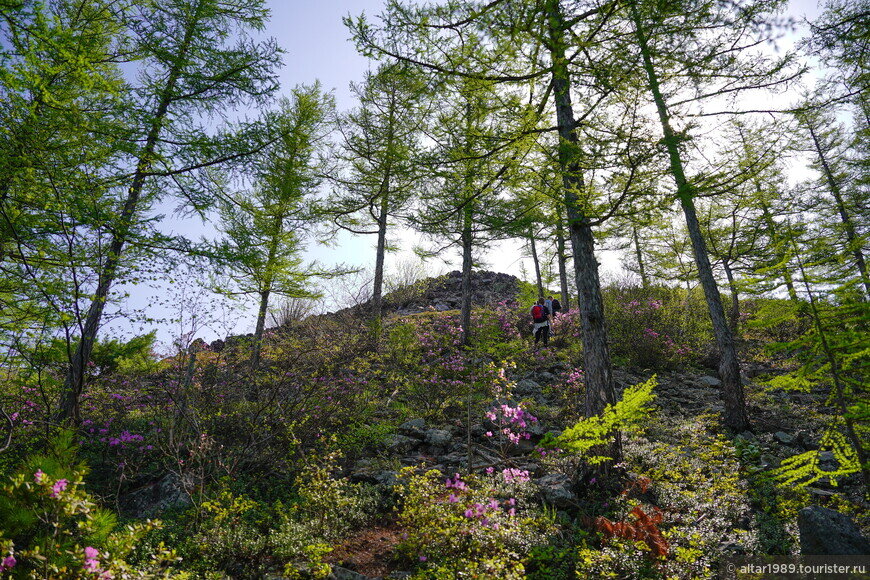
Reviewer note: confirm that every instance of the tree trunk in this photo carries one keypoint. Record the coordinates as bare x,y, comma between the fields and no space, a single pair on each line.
538,280
644,281
260,328
377,292
852,239
465,314
596,354
734,314
383,216
74,382
729,366
783,257
265,291
561,258
839,394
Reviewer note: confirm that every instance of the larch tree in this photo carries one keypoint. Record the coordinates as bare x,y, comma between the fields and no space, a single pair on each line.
691,54
59,137
380,143
195,61
263,226
839,196
473,157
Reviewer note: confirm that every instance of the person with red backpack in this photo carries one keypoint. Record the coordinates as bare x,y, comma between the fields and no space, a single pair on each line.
541,322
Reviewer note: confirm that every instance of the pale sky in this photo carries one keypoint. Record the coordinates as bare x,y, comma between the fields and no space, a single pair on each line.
318,48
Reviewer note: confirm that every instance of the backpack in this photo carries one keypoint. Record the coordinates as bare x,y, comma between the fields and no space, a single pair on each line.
556,306
538,313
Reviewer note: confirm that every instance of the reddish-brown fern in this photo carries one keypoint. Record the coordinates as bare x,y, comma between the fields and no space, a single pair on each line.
644,528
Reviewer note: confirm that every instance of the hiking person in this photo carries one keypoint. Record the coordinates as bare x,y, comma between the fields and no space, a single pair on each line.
557,307
541,322
548,303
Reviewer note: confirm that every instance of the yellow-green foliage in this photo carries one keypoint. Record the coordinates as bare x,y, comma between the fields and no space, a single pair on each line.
330,506
591,434
476,528
697,482
52,528
805,469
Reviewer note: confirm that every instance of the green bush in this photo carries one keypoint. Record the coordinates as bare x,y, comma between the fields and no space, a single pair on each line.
50,526
475,528
657,327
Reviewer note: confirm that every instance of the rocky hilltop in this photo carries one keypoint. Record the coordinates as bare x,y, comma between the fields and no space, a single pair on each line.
445,292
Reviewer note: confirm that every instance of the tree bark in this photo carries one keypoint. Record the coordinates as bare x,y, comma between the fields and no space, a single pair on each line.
467,240
538,280
644,281
74,382
383,216
729,367
848,226
377,292
561,258
596,354
734,314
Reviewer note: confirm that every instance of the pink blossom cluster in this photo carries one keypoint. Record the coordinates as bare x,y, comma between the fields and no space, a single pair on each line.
456,483
668,342
58,487
485,511
8,563
512,422
512,475
40,477
92,564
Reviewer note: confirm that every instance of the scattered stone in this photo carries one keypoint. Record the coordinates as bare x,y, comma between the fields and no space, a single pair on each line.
769,461
747,437
555,489
414,427
156,497
527,388
339,573
709,381
783,437
732,548
547,377
827,461
437,437
400,444
824,532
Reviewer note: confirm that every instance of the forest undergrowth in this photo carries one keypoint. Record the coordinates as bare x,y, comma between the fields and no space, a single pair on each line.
350,446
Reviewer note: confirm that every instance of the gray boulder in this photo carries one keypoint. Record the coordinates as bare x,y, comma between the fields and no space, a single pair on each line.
155,498
555,490
414,427
527,388
783,437
401,444
339,573
709,381
824,532
437,437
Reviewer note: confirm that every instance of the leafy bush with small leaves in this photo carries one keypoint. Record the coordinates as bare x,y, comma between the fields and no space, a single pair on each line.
50,527
473,527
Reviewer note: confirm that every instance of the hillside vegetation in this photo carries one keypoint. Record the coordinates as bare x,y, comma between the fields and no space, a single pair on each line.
350,450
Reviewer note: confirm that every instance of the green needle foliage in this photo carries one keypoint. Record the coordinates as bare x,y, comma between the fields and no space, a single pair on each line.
589,436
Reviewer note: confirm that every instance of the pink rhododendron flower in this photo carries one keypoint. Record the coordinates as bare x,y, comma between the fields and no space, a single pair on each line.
8,563
37,477
58,487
